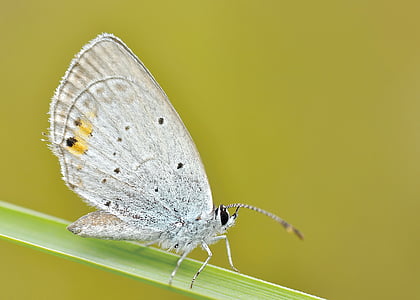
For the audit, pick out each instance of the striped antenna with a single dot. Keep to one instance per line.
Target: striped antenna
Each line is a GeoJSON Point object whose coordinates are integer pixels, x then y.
{"type": "Point", "coordinates": [287, 226]}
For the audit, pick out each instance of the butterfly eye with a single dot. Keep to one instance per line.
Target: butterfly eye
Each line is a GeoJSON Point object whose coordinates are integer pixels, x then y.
{"type": "Point", "coordinates": [224, 215]}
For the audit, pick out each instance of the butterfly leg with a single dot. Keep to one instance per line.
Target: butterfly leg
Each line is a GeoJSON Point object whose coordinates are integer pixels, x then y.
{"type": "Point", "coordinates": [178, 263]}
{"type": "Point", "coordinates": [206, 247]}
{"type": "Point", "coordinates": [224, 237]}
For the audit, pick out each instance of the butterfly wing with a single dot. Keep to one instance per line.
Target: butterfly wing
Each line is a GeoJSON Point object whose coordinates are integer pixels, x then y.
{"type": "Point", "coordinates": [122, 146]}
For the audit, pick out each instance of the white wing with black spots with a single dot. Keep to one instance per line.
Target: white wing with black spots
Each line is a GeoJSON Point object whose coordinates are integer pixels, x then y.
{"type": "Point", "coordinates": [121, 145]}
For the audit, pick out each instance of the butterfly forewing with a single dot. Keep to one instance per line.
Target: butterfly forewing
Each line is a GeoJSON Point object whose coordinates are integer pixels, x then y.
{"type": "Point", "coordinates": [122, 146]}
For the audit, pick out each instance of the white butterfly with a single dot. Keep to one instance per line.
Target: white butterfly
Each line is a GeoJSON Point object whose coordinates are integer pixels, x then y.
{"type": "Point", "coordinates": [123, 148]}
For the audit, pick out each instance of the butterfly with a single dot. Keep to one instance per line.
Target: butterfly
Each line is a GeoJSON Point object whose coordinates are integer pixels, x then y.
{"type": "Point", "coordinates": [123, 149]}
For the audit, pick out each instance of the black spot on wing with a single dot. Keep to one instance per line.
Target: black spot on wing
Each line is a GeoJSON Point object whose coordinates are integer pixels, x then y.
{"type": "Point", "coordinates": [71, 141]}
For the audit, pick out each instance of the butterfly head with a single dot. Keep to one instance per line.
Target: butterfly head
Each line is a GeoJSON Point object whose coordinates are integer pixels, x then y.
{"type": "Point", "coordinates": [224, 219]}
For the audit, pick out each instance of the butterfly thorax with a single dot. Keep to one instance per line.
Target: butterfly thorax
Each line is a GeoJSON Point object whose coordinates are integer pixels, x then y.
{"type": "Point", "coordinates": [188, 234]}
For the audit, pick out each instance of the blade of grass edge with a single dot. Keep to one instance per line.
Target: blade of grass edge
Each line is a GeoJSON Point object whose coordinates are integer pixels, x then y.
{"type": "Point", "coordinates": [149, 265]}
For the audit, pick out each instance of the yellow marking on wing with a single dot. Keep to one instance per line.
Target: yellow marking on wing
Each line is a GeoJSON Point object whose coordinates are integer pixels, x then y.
{"type": "Point", "coordinates": [85, 128]}
{"type": "Point", "coordinates": [79, 147]}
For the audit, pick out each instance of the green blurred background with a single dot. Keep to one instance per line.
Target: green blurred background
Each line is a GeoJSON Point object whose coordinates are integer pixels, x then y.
{"type": "Point", "coordinates": [309, 109]}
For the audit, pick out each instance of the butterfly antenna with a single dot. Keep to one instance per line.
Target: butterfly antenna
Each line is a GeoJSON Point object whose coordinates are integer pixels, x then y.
{"type": "Point", "coordinates": [287, 226]}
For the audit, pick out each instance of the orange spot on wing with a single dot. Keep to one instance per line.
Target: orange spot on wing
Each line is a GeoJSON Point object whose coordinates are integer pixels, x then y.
{"type": "Point", "coordinates": [79, 147]}
{"type": "Point", "coordinates": [85, 128]}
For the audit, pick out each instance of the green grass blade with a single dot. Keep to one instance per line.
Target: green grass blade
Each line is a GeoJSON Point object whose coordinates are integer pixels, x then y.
{"type": "Point", "coordinates": [149, 265]}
